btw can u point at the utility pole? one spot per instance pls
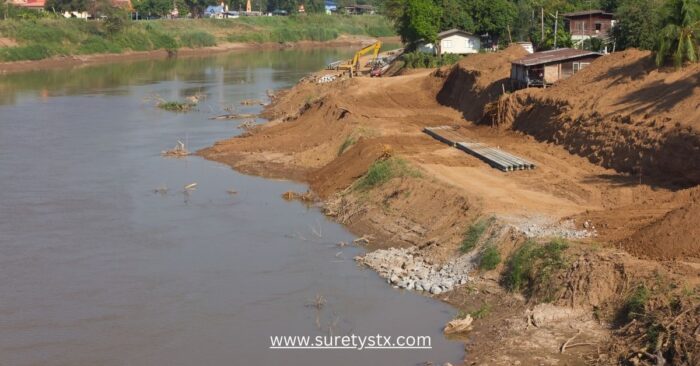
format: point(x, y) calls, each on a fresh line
point(542, 24)
point(556, 22)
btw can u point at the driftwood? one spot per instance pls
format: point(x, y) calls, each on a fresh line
point(459, 325)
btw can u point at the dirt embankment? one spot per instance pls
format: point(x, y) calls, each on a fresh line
point(620, 113)
point(330, 135)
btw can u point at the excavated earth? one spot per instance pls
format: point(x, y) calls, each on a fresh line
point(617, 148)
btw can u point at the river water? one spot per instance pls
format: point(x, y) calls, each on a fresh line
point(96, 268)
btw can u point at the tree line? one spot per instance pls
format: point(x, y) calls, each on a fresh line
point(669, 27)
point(195, 8)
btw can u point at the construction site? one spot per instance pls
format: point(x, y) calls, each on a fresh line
point(592, 181)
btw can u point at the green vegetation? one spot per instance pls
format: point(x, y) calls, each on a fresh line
point(197, 39)
point(481, 312)
point(490, 258)
point(474, 233)
point(533, 265)
point(381, 171)
point(417, 60)
point(176, 106)
point(349, 141)
point(47, 37)
point(636, 303)
point(311, 28)
point(678, 40)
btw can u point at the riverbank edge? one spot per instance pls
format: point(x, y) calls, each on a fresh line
point(105, 58)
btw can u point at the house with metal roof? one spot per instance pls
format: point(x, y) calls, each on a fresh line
point(547, 67)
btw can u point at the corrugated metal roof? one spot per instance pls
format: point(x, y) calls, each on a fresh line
point(586, 12)
point(545, 57)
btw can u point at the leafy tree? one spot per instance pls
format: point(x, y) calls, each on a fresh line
point(66, 5)
point(492, 16)
point(637, 24)
point(679, 38)
point(420, 20)
point(563, 38)
point(455, 15)
point(157, 7)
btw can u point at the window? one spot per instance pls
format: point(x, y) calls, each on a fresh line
point(598, 26)
point(578, 66)
point(468, 43)
point(447, 44)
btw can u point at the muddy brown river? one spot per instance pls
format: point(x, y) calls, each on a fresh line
point(96, 268)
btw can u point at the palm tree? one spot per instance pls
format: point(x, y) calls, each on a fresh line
point(679, 38)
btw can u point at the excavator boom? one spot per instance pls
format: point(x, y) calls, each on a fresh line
point(354, 66)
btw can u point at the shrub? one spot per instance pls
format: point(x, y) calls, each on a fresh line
point(636, 303)
point(29, 52)
point(176, 106)
point(94, 44)
point(381, 171)
point(490, 258)
point(417, 60)
point(163, 41)
point(533, 265)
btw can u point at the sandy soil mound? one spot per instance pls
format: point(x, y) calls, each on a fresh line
point(477, 80)
point(620, 112)
point(675, 236)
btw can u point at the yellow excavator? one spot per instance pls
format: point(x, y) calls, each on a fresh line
point(354, 66)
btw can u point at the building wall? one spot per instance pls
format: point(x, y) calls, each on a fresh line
point(457, 44)
point(460, 44)
point(585, 26)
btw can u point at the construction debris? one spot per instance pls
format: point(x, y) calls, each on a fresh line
point(326, 79)
point(495, 157)
point(247, 124)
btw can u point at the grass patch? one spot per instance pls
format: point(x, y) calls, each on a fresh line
point(43, 37)
point(474, 233)
point(349, 141)
point(532, 266)
point(381, 171)
point(197, 40)
point(176, 106)
point(490, 258)
point(30, 52)
point(481, 312)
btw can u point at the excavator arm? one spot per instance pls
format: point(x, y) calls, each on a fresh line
point(354, 66)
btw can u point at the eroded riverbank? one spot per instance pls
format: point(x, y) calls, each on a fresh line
point(359, 144)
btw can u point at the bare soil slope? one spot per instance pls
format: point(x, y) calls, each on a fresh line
point(622, 113)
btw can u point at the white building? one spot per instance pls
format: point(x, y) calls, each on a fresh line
point(452, 41)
